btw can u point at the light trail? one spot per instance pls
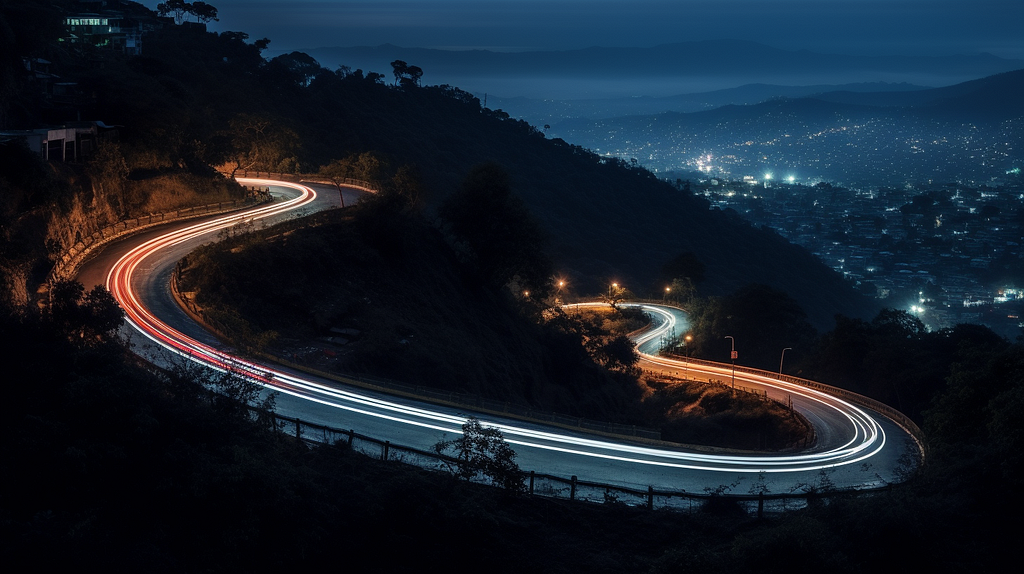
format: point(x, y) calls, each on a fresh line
point(866, 436)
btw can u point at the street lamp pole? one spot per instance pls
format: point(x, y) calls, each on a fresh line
point(783, 359)
point(686, 363)
point(732, 355)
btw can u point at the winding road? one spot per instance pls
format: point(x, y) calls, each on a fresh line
point(857, 447)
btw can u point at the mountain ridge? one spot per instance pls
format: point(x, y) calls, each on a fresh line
point(715, 63)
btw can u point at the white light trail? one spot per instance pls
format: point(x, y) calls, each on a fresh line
point(866, 439)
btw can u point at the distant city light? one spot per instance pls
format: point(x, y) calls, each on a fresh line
point(768, 176)
point(791, 179)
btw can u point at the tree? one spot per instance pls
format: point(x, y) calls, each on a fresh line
point(406, 75)
point(399, 68)
point(365, 166)
point(261, 144)
point(339, 171)
point(483, 451)
point(300, 65)
point(176, 7)
point(86, 318)
point(204, 12)
point(495, 235)
point(762, 319)
point(412, 78)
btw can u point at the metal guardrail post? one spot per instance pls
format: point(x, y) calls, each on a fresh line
point(572, 488)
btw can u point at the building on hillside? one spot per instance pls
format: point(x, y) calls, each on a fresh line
point(71, 142)
point(113, 25)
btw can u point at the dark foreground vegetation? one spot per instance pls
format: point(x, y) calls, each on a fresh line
point(108, 466)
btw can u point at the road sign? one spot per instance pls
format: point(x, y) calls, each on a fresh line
point(735, 355)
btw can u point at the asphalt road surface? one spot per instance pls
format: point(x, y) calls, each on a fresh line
point(856, 447)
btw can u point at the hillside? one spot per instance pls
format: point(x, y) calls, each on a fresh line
point(196, 98)
point(965, 132)
point(663, 70)
point(543, 111)
point(111, 466)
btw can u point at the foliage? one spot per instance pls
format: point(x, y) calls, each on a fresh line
point(763, 321)
point(180, 9)
point(230, 393)
point(366, 167)
point(405, 75)
point(260, 143)
point(482, 451)
point(381, 268)
point(494, 233)
point(893, 359)
point(600, 335)
point(92, 317)
point(717, 415)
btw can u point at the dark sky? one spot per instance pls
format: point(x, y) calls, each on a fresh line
point(906, 27)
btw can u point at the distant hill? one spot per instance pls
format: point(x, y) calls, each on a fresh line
point(540, 112)
point(685, 67)
point(954, 133)
point(996, 97)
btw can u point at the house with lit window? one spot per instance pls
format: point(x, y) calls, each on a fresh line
point(112, 25)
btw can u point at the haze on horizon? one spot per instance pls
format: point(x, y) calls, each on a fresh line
point(858, 27)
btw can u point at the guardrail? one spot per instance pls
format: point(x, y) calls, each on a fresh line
point(68, 261)
point(573, 488)
point(360, 184)
point(758, 500)
point(855, 398)
point(899, 418)
point(450, 398)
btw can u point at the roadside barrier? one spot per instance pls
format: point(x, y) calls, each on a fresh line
point(758, 501)
point(68, 261)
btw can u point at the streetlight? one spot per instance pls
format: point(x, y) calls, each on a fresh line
point(732, 355)
point(783, 359)
point(686, 363)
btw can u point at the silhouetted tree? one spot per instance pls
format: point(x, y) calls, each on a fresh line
point(483, 451)
point(204, 12)
point(177, 8)
point(303, 66)
point(494, 233)
point(399, 68)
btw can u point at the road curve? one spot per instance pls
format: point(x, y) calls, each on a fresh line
point(857, 447)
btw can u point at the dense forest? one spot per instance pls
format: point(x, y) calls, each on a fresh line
point(109, 464)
